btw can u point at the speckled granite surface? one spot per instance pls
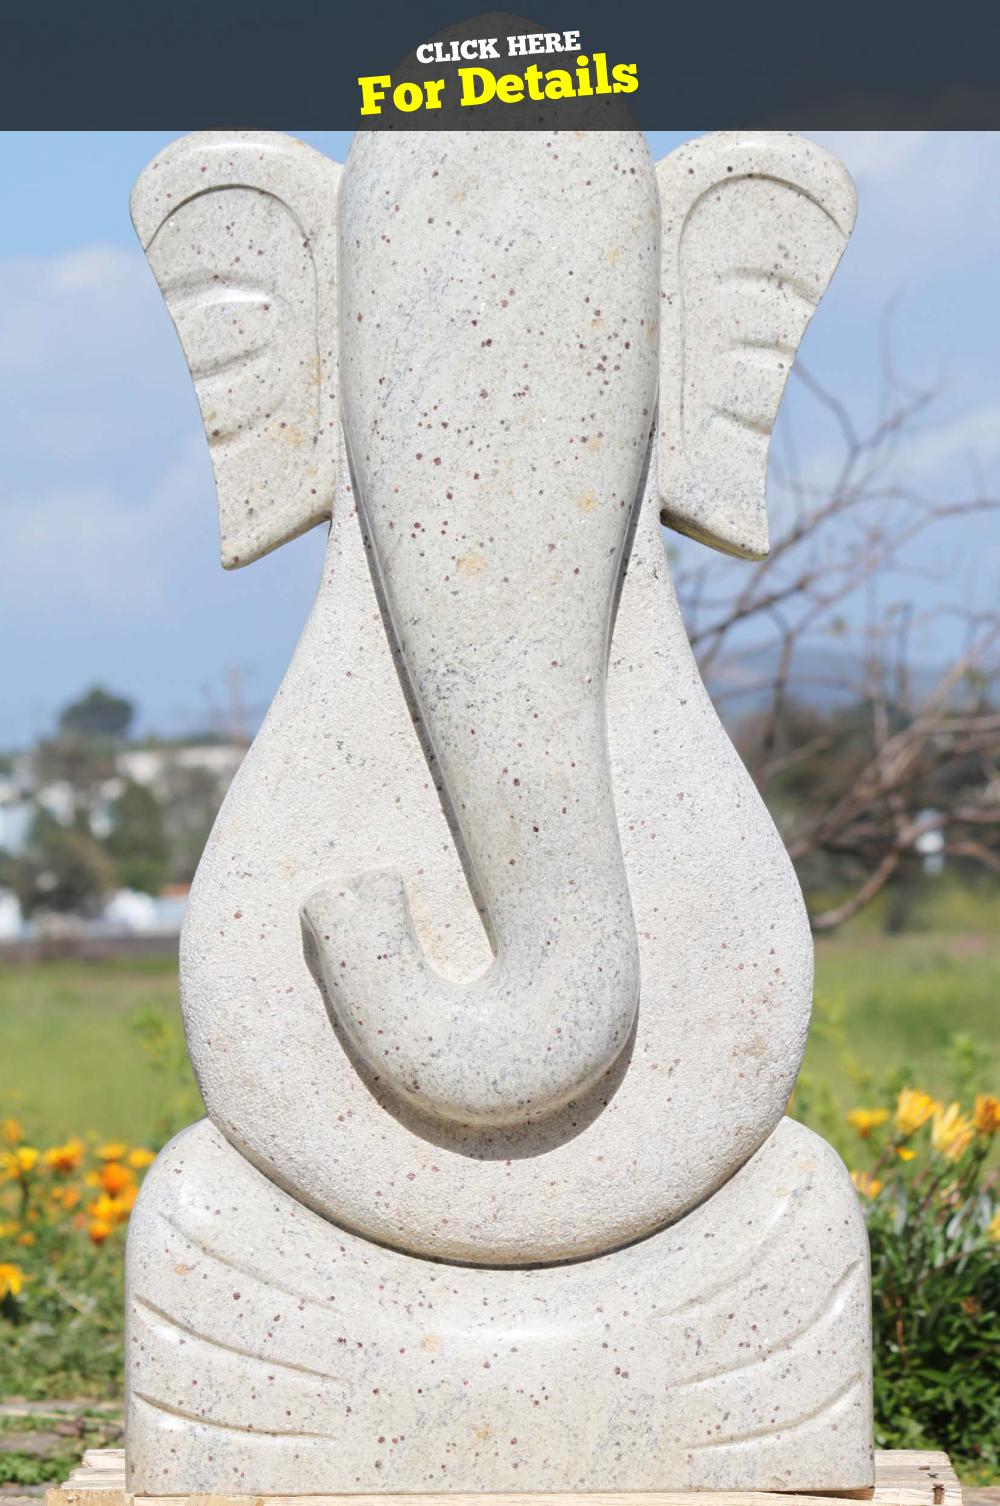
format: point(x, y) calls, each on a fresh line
point(494, 955)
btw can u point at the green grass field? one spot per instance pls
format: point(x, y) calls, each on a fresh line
point(98, 1046)
point(77, 1054)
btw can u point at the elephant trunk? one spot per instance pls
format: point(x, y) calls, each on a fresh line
point(498, 387)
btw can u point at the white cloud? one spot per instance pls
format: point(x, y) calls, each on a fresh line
point(92, 551)
point(872, 156)
point(924, 206)
point(966, 441)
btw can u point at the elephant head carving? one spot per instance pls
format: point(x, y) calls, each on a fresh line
point(485, 361)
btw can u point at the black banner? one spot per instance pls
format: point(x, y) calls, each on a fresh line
point(134, 64)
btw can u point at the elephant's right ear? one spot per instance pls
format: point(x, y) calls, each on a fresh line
point(240, 229)
point(753, 225)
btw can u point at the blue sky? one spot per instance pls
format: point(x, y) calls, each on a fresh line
point(108, 539)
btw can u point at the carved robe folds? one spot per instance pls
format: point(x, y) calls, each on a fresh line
point(495, 974)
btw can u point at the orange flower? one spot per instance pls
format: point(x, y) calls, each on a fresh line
point(27, 1238)
point(126, 1198)
point(114, 1177)
point(951, 1131)
point(865, 1120)
point(986, 1114)
point(64, 1158)
point(98, 1231)
point(12, 1131)
point(140, 1158)
point(866, 1184)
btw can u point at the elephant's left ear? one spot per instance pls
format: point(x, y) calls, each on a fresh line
point(752, 228)
point(240, 230)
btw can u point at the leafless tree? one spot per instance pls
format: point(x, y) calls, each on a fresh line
point(867, 755)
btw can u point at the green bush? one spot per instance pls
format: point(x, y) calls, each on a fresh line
point(929, 1193)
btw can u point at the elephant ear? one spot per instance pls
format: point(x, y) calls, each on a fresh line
point(240, 230)
point(752, 228)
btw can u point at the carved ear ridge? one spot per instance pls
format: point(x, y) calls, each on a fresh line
point(753, 225)
point(240, 230)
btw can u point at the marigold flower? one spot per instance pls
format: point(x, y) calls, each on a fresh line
point(951, 1131)
point(27, 1238)
point(986, 1114)
point(12, 1131)
point(17, 1163)
point(913, 1109)
point(865, 1120)
point(904, 1153)
point(113, 1210)
point(866, 1184)
point(114, 1177)
point(11, 1227)
point(114, 1150)
point(64, 1158)
point(140, 1158)
point(12, 1278)
point(993, 1228)
point(98, 1231)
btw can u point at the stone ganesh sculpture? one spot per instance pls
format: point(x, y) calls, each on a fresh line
point(495, 974)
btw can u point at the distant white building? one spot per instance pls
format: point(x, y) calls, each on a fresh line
point(154, 767)
point(11, 920)
point(157, 768)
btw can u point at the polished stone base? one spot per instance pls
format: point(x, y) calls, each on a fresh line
point(270, 1352)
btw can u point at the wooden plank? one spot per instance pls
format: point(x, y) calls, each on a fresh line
point(903, 1477)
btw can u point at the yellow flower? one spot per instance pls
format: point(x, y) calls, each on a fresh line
point(115, 1150)
point(865, 1120)
point(866, 1184)
point(12, 1131)
point(113, 1210)
point(17, 1163)
point(904, 1153)
point(6, 1230)
point(951, 1131)
point(12, 1278)
point(98, 1231)
point(64, 1157)
point(913, 1109)
point(993, 1228)
point(141, 1158)
point(986, 1114)
point(115, 1177)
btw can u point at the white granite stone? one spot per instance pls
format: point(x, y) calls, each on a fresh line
point(753, 226)
point(727, 1352)
point(472, 829)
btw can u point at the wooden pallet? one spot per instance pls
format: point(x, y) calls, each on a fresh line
point(903, 1477)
